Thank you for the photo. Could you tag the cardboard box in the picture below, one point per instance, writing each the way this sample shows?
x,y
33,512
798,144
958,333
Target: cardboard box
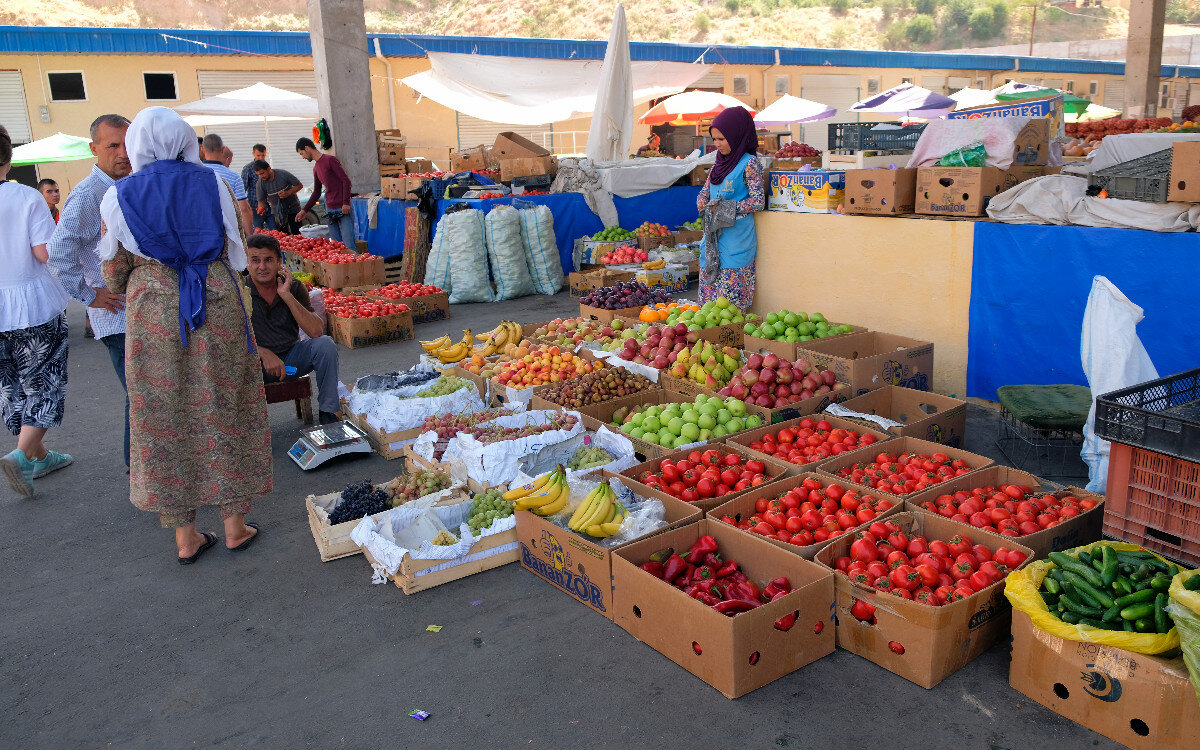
x,y
1144,702
594,250
687,236
356,333
768,143
957,191
472,159
582,283
391,144
919,642
698,176
424,308
1016,175
391,170
393,188
1049,108
1031,147
833,465
1185,172
789,350
672,278
418,575
732,334
880,192
744,439
861,160
575,563
928,416
418,166
817,403
509,145
527,167
1083,529
805,192
649,243
871,360
742,508
365,272
794,165
774,469
738,654
606,316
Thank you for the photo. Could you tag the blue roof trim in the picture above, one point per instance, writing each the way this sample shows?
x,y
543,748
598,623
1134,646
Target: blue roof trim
x,y
101,41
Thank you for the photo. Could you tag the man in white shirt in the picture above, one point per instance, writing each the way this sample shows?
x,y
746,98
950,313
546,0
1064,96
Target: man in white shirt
x,y
212,153
73,258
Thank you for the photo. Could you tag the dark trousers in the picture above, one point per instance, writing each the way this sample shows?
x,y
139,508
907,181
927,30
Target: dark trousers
x,y
116,352
288,224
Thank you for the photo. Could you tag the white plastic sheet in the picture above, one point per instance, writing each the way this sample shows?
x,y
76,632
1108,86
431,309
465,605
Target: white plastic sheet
x,y
1113,358
997,134
382,535
1062,200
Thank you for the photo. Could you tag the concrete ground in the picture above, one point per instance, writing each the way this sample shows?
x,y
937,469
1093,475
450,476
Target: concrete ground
x,y
107,642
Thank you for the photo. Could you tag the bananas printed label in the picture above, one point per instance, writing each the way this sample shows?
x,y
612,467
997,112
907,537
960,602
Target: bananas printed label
x,y
814,192
554,565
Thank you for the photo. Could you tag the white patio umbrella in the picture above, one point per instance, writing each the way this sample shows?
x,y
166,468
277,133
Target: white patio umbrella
x,y
612,116
258,103
970,97
789,109
906,100
1014,87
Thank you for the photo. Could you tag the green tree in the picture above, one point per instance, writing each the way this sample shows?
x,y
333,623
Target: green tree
x,y
983,24
895,35
999,10
731,6
839,6
927,7
889,9
702,22
920,29
958,12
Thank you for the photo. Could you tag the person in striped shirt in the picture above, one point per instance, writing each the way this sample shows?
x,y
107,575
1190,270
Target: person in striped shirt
x,y
212,153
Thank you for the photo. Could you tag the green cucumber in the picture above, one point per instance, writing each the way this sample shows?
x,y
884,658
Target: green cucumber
x,y
1138,611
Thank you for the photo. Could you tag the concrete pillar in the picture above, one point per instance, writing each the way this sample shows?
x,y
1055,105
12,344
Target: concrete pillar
x,y
339,44
1143,57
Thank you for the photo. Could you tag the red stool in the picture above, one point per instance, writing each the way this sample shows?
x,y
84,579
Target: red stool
x,y
300,391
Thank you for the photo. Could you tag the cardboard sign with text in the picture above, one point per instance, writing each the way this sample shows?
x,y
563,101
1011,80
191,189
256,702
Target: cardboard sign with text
x,y
737,654
880,192
871,360
1144,702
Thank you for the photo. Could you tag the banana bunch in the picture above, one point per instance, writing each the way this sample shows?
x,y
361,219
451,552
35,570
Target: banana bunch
x,y
654,265
545,496
496,339
599,514
447,352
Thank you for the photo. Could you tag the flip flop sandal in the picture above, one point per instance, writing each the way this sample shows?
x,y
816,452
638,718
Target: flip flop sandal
x,y
209,541
246,544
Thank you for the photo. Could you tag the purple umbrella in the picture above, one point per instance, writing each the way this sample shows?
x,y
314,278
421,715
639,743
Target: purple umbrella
x,y
907,100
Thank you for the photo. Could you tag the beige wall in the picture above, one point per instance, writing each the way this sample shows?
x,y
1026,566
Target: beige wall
x,y
902,276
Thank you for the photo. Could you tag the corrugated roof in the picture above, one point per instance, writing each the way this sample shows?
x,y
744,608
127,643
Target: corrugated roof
x,y
101,41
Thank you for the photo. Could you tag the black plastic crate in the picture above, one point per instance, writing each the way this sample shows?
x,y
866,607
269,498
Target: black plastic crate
x,y
862,136
1160,415
1147,178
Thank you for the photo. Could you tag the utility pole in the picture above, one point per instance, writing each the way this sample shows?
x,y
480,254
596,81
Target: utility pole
x,y
1032,26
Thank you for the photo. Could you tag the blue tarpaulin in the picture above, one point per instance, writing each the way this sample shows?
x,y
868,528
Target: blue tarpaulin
x,y
1030,285
387,239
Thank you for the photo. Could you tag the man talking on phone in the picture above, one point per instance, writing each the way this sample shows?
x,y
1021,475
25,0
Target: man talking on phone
x,y
281,309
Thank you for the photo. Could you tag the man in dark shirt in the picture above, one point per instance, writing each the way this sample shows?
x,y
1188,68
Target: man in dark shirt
x,y
280,309
277,189
249,177
329,174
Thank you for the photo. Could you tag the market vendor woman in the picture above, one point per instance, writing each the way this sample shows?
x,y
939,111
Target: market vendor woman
x,y
733,191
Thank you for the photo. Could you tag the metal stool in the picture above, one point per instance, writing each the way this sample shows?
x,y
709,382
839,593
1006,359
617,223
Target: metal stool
x,y
299,390
1043,424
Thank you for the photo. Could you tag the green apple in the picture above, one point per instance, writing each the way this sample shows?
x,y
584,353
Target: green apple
x,y
651,424
651,437
691,432
736,407
753,422
691,416
675,425
723,416
719,432
707,421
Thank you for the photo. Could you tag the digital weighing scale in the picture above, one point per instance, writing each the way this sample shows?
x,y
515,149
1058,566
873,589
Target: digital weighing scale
x,y
319,444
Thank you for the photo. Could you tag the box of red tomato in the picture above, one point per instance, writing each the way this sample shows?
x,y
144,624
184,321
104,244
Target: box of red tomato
x,y
788,625
706,476
1011,503
919,597
810,440
804,513
904,466
426,302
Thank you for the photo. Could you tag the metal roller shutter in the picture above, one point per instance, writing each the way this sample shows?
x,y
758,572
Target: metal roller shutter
x,y
1114,94
281,143
714,80
475,132
14,113
840,91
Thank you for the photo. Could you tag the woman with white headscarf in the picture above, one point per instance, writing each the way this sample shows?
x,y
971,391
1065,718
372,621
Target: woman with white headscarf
x,y
198,420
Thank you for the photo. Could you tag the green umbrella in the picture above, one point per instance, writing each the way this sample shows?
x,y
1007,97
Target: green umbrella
x,y
1071,103
55,148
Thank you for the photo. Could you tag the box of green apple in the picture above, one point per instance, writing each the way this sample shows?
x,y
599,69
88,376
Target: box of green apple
x,y
659,422
717,321
782,333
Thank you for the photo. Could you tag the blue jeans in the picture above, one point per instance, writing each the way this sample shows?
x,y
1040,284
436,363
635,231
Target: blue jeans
x,y
116,352
341,227
265,221
319,355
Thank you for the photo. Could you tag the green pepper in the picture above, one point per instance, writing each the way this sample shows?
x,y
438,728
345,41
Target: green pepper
x,y
1161,623
1138,611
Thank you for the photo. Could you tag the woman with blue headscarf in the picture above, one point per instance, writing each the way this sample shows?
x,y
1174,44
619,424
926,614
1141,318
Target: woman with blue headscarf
x,y
198,420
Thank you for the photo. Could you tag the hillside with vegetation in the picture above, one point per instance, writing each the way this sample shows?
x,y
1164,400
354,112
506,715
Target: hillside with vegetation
x,y
859,24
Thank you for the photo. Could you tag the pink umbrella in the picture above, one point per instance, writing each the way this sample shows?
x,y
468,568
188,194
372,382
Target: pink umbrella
x,y
689,108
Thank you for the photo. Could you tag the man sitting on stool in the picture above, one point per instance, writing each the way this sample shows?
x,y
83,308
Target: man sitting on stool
x,y
281,309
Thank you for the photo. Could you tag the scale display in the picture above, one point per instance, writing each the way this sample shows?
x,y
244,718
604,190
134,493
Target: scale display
x,y
319,444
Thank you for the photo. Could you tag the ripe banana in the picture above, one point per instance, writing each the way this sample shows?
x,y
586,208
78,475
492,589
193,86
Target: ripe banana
x,y
514,331
516,493
548,497
556,506
654,265
453,354
439,343
602,510
585,508
501,335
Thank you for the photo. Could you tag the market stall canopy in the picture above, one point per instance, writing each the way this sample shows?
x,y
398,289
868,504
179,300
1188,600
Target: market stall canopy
x,y
1071,103
612,114
1093,113
252,103
55,148
789,109
1013,87
690,108
907,100
524,91
970,97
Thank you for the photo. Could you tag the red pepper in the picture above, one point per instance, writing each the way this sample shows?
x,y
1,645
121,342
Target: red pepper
x,y
708,599
786,622
702,547
777,588
744,591
655,569
729,567
719,589
733,607
675,565
705,585
705,573
754,592
738,576
692,591
712,560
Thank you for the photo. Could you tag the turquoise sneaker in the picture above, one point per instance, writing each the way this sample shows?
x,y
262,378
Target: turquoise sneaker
x,y
19,471
52,462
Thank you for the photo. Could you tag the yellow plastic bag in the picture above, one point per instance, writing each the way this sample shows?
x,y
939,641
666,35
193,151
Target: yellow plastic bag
x,y
1021,587
1184,609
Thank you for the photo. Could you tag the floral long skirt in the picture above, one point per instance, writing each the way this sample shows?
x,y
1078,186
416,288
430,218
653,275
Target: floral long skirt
x,y
734,284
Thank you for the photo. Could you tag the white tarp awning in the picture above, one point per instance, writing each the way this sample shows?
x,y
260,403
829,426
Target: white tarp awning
x,y
527,91
253,102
